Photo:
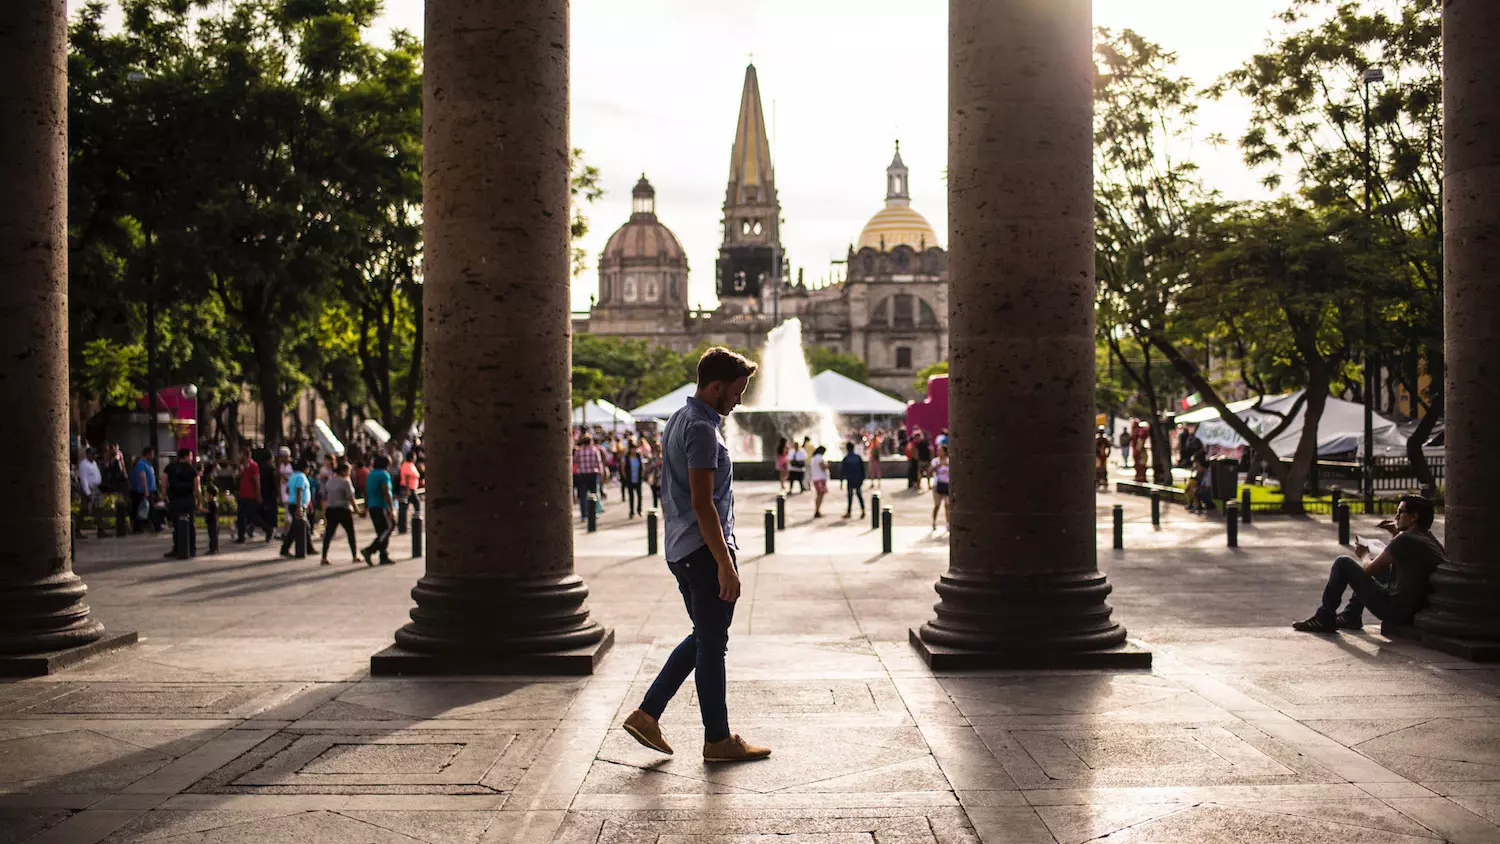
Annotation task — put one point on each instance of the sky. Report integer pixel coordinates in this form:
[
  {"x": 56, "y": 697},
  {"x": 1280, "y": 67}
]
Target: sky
[{"x": 656, "y": 87}]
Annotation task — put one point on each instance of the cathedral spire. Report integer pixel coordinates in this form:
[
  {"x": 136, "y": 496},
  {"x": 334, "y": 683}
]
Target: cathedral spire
[
  {"x": 897, "y": 185},
  {"x": 751, "y": 178}
]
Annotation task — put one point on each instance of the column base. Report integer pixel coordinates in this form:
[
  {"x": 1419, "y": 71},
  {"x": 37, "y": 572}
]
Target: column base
[
  {"x": 943, "y": 658},
  {"x": 396, "y": 661},
  {"x": 51, "y": 662}
]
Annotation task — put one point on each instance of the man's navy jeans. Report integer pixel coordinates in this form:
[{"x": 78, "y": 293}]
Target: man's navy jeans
[
  {"x": 1368, "y": 593},
  {"x": 702, "y": 652}
]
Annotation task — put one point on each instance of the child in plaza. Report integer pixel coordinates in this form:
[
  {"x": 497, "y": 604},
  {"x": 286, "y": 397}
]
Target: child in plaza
[{"x": 939, "y": 471}]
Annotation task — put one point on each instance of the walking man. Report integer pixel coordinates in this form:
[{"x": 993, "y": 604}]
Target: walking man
[
  {"x": 589, "y": 459},
  {"x": 852, "y": 470},
  {"x": 298, "y": 497},
  {"x": 378, "y": 502},
  {"x": 698, "y": 504},
  {"x": 91, "y": 498},
  {"x": 143, "y": 490},
  {"x": 248, "y": 496}
]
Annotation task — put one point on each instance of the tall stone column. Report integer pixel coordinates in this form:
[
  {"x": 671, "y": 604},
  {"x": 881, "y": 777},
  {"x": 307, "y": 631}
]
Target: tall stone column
[
  {"x": 1463, "y": 612},
  {"x": 44, "y": 623},
  {"x": 499, "y": 594},
  {"x": 1023, "y": 588}
]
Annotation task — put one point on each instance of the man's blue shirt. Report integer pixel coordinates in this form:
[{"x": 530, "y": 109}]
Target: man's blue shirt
[
  {"x": 692, "y": 441},
  {"x": 143, "y": 466},
  {"x": 298, "y": 490},
  {"x": 853, "y": 467},
  {"x": 375, "y": 486}
]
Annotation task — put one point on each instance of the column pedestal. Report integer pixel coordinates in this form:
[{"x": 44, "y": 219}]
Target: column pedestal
[
  {"x": 44, "y": 623},
  {"x": 499, "y": 595},
  {"x": 1023, "y": 589},
  {"x": 1462, "y": 616}
]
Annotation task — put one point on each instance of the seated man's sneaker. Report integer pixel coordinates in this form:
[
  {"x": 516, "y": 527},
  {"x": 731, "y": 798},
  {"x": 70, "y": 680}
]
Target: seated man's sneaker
[
  {"x": 646, "y": 730},
  {"x": 733, "y": 749},
  {"x": 1348, "y": 621},
  {"x": 1315, "y": 625}
]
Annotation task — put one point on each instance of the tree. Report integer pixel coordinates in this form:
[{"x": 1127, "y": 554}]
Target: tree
[
  {"x": 920, "y": 382},
  {"x": 583, "y": 187},
  {"x": 822, "y": 359},
  {"x": 1306, "y": 92}
]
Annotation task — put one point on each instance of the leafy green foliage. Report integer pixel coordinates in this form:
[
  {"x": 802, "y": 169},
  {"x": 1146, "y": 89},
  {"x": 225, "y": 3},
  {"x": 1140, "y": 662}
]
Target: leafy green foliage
[{"x": 920, "y": 382}]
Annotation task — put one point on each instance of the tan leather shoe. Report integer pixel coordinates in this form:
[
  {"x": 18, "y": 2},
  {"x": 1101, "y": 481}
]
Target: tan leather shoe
[
  {"x": 645, "y": 729},
  {"x": 733, "y": 749}
]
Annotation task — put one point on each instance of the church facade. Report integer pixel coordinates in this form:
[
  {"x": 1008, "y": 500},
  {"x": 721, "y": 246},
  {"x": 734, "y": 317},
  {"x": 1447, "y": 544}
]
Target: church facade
[{"x": 890, "y": 309}]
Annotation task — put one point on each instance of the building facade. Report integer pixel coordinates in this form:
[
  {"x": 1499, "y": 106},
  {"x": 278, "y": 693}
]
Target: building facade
[{"x": 890, "y": 309}]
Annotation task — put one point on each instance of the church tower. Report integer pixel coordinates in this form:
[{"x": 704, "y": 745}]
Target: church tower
[{"x": 752, "y": 213}]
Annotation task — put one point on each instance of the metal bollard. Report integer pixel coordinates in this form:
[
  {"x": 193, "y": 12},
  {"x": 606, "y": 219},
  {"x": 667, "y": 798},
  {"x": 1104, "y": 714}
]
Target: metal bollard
[
  {"x": 1232, "y": 522},
  {"x": 299, "y": 531},
  {"x": 416, "y": 534},
  {"x": 1245, "y": 505},
  {"x": 180, "y": 539},
  {"x": 781, "y": 512},
  {"x": 593, "y": 512},
  {"x": 122, "y": 519},
  {"x": 1333, "y": 512},
  {"x": 1156, "y": 509},
  {"x": 1342, "y": 514},
  {"x": 651, "y": 532},
  {"x": 1119, "y": 527},
  {"x": 874, "y": 510},
  {"x": 770, "y": 531},
  {"x": 885, "y": 531}
]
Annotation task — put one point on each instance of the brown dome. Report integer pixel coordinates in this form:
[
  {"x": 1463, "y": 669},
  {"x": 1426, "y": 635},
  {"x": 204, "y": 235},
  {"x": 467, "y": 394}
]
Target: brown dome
[{"x": 644, "y": 239}]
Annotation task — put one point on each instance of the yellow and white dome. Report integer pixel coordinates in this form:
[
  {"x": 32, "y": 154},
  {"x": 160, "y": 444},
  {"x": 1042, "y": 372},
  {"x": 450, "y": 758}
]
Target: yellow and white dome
[{"x": 897, "y": 223}]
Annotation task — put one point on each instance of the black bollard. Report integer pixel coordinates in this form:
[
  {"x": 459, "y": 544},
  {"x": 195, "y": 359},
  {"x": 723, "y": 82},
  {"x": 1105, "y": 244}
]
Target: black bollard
[
  {"x": 1333, "y": 511},
  {"x": 885, "y": 531},
  {"x": 1232, "y": 522},
  {"x": 781, "y": 512},
  {"x": 770, "y": 531},
  {"x": 651, "y": 533},
  {"x": 1119, "y": 526},
  {"x": 593, "y": 512},
  {"x": 182, "y": 526},
  {"x": 299, "y": 530},
  {"x": 874, "y": 510},
  {"x": 1245, "y": 505},
  {"x": 1342, "y": 514},
  {"x": 1155, "y": 509},
  {"x": 122, "y": 518},
  {"x": 416, "y": 533}
]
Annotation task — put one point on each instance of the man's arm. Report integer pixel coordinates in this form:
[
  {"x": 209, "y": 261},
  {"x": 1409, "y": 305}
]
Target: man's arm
[{"x": 701, "y": 486}]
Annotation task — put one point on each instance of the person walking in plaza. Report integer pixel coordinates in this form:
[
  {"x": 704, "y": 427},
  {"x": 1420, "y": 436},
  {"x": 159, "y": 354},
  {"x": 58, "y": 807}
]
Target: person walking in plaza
[
  {"x": 1102, "y": 448},
  {"x": 632, "y": 471},
  {"x": 248, "y": 498},
  {"x": 783, "y": 463},
  {"x": 796, "y": 469},
  {"x": 208, "y": 487},
  {"x": 379, "y": 503},
  {"x": 338, "y": 511},
  {"x": 298, "y": 497},
  {"x": 877, "y": 442},
  {"x": 1394, "y": 585},
  {"x": 183, "y": 502},
  {"x": 817, "y": 472},
  {"x": 852, "y": 470},
  {"x": 940, "y": 490},
  {"x": 410, "y": 481},
  {"x": 91, "y": 498},
  {"x": 143, "y": 491},
  {"x": 588, "y": 460},
  {"x": 698, "y": 495}
]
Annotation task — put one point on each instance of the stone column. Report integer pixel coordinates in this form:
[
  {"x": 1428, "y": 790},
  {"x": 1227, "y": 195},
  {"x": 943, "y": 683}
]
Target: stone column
[
  {"x": 1023, "y": 588},
  {"x": 44, "y": 623},
  {"x": 499, "y": 595},
  {"x": 1463, "y": 612}
]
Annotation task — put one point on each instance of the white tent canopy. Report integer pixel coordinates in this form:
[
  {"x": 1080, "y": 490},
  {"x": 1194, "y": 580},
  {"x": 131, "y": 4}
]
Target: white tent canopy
[
  {"x": 1340, "y": 430},
  {"x": 843, "y": 394},
  {"x": 667, "y": 404},
  {"x": 602, "y": 413}
]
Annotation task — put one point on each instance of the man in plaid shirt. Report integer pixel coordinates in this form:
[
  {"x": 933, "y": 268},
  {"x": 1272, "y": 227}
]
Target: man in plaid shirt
[{"x": 588, "y": 466}]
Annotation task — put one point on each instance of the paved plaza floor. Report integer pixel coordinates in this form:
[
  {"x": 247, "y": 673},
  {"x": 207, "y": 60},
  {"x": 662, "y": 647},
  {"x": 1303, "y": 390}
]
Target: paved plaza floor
[{"x": 247, "y": 713}]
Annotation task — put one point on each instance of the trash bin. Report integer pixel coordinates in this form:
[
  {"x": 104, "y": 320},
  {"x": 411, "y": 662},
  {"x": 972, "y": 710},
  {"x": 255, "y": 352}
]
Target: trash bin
[{"x": 1224, "y": 478}]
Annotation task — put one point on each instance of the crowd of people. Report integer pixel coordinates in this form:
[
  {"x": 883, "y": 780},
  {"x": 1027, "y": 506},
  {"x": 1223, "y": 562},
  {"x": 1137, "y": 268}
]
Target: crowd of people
[{"x": 287, "y": 494}]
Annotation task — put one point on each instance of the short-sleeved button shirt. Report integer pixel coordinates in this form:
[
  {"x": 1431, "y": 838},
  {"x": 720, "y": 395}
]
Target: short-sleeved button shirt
[{"x": 692, "y": 441}]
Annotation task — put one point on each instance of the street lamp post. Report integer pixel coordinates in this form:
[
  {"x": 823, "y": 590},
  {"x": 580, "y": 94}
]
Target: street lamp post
[{"x": 1370, "y": 77}]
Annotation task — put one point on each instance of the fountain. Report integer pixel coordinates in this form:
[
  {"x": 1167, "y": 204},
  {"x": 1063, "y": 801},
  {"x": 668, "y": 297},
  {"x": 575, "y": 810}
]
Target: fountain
[{"x": 782, "y": 402}]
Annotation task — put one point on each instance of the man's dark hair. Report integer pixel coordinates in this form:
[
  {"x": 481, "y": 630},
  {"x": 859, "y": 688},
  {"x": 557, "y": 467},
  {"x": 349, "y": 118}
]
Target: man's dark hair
[
  {"x": 381, "y": 461},
  {"x": 1422, "y": 507},
  {"x": 720, "y": 364},
  {"x": 849, "y": 447},
  {"x": 147, "y": 451}
]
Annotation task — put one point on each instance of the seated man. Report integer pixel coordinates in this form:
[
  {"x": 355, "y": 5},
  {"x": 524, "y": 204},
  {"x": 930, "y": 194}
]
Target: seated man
[{"x": 1406, "y": 564}]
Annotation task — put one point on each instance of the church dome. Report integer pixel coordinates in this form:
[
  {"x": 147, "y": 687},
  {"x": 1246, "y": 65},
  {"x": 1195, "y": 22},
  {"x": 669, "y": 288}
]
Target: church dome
[
  {"x": 643, "y": 239},
  {"x": 897, "y": 223}
]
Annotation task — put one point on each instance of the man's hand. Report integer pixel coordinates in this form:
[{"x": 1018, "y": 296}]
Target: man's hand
[
  {"x": 729, "y": 583},
  {"x": 1360, "y": 549},
  {"x": 1389, "y": 526}
]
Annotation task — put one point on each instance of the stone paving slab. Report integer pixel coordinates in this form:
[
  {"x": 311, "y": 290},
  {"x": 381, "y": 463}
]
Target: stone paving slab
[{"x": 247, "y": 713}]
